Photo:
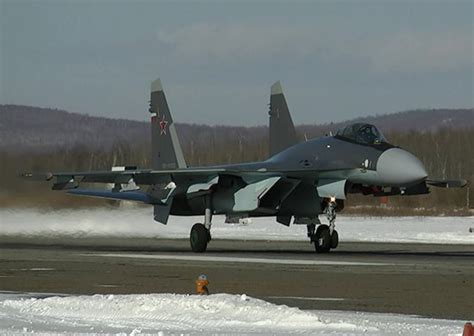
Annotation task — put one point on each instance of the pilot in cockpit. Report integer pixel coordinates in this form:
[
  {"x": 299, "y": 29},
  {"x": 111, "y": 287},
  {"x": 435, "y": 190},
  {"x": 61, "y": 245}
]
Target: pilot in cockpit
[{"x": 366, "y": 134}]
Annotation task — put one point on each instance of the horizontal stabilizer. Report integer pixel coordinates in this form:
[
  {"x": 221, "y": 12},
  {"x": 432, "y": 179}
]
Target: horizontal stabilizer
[
  {"x": 447, "y": 183},
  {"x": 161, "y": 212},
  {"x": 285, "y": 220},
  {"x": 138, "y": 196}
]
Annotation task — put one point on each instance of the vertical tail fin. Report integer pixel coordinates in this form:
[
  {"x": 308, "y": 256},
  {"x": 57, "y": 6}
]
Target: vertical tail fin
[
  {"x": 282, "y": 130},
  {"x": 165, "y": 148}
]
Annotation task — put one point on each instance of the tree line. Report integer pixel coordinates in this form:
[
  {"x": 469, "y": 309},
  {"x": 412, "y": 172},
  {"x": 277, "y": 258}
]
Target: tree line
[{"x": 446, "y": 153}]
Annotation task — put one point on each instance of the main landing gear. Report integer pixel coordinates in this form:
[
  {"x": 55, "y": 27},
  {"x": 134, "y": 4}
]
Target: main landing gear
[
  {"x": 326, "y": 237},
  {"x": 199, "y": 237},
  {"x": 201, "y": 233}
]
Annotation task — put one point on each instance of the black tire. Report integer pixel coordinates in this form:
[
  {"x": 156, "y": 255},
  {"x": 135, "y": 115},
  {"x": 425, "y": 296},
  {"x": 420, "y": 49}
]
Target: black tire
[
  {"x": 199, "y": 237},
  {"x": 322, "y": 241},
  {"x": 334, "y": 239}
]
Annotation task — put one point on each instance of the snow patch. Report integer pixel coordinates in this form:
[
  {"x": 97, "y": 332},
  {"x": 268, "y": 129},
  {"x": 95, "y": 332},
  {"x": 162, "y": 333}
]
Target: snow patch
[
  {"x": 138, "y": 222},
  {"x": 219, "y": 313},
  {"x": 165, "y": 314}
]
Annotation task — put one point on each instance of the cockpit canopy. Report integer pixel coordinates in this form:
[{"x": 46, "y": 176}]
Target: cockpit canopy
[{"x": 365, "y": 134}]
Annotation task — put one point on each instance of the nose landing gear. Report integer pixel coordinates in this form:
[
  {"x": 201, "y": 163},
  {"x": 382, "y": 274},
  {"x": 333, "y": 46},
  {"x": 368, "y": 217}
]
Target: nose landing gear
[{"x": 326, "y": 237}]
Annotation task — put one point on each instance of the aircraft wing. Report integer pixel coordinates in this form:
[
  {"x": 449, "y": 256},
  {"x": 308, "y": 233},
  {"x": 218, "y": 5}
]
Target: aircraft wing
[
  {"x": 125, "y": 179},
  {"x": 70, "y": 180},
  {"x": 263, "y": 190}
]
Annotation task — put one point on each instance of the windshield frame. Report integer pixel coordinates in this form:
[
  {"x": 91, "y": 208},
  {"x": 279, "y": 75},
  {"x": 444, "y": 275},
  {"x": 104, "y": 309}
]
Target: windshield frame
[{"x": 363, "y": 134}]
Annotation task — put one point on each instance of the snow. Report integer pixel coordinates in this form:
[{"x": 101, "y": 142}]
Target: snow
[
  {"x": 138, "y": 222},
  {"x": 165, "y": 314}
]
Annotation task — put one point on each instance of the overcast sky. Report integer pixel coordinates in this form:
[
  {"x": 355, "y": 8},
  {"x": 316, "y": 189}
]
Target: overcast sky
[{"x": 336, "y": 59}]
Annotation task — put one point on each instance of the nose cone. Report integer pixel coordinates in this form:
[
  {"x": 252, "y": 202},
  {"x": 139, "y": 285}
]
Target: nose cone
[{"x": 397, "y": 167}]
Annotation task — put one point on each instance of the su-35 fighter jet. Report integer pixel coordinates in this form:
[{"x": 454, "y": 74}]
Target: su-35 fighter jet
[{"x": 298, "y": 182}]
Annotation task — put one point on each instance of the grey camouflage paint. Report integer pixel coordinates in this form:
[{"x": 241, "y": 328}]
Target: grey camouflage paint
[{"x": 295, "y": 181}]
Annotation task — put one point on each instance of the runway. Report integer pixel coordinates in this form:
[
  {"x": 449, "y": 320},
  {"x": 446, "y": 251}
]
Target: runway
[{"x": 422, "y": 279}]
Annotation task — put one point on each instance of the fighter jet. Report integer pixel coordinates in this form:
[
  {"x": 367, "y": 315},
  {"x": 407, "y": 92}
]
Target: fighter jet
[{"x": 298, "y": 182}]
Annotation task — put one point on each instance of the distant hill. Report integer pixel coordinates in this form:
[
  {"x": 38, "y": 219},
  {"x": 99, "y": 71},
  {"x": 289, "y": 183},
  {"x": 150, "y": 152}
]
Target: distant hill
[
  {"x": 34, "y": 127},
  {"x": 414, "y": 120},
  {"x": 27, "y": 127}
]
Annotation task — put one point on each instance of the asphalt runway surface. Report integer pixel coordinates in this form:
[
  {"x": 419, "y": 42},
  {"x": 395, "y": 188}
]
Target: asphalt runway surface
[{"x": 421, "y": 279}]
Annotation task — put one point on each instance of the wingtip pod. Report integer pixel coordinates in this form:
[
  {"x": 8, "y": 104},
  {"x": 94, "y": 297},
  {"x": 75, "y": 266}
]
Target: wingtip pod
[
  {"x": 276, "y": 88},
  {"x": 447, "y": 183},
  {"x": 37, "y": 176},
  {"x": 156, "y": 85}
]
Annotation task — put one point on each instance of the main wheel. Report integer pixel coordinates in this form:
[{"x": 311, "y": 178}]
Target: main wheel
[
  {"x": 199, "y": 237},
  {"x": 322, "y": 241},
  {"x": 334, "y": 239}
]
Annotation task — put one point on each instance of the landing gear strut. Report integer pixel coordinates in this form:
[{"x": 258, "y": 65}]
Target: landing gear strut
[
  {"x": 326, "y": 237},
  {"x": 201, "y": 233},
  {"x": 331, "y": 215}
]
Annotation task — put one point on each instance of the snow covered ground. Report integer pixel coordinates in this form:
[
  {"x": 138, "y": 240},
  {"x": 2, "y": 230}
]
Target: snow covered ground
[
  {"x": 165, "y": 314},
  {"x": 138, "y": 222}
]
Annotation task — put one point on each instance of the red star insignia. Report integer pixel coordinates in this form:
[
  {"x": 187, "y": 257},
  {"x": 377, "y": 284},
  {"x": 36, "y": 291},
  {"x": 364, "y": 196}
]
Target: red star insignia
[{"x": 163, "y": 124}]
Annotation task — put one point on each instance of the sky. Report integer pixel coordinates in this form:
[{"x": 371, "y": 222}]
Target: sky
[{"x": 336, "y": 60}]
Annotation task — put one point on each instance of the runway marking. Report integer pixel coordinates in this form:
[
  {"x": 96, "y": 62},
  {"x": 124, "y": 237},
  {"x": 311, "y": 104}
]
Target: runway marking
[
  {"x": 107, "y": 286},
  {"x": 35, "y": 269},
  {"x": 239, "y": 260},
  {"x": 305, "y": 298}
]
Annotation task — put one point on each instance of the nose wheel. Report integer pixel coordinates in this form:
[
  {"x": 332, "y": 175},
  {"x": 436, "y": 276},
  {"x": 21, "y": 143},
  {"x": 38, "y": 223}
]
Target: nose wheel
[
  {"x": 323, "y": 240},
  {"x": 326, "y": 237}
]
